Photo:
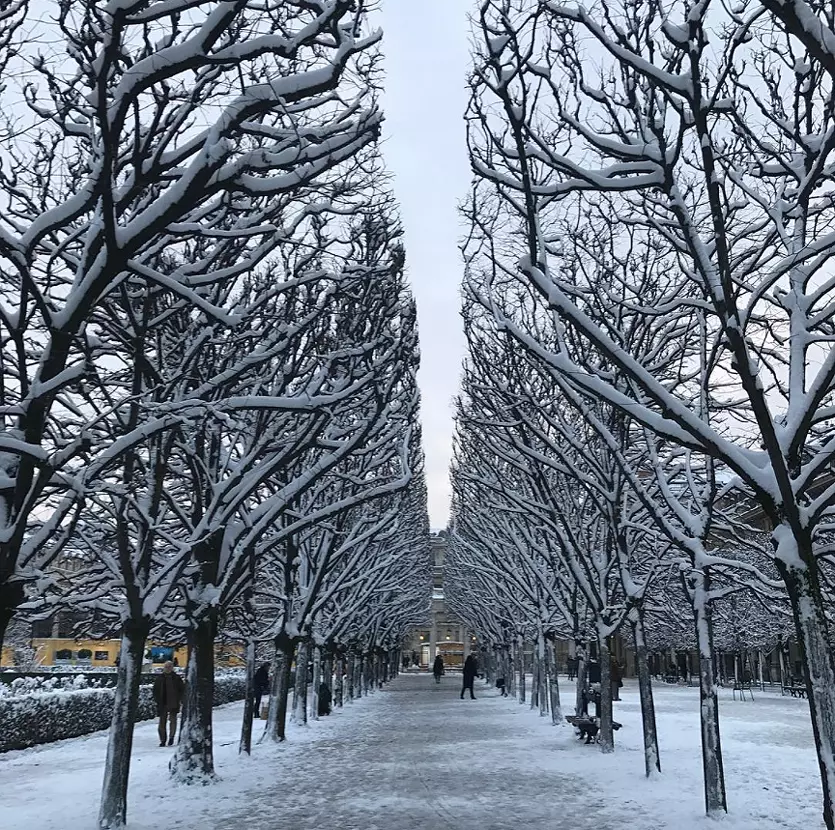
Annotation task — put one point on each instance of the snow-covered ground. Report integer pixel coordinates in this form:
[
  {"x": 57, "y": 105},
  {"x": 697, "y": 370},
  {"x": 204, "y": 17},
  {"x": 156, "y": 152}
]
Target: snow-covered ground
[{"x": 415, "y": 757}]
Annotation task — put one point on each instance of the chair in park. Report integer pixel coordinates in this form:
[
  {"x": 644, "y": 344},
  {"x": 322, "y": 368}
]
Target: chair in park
[{"x": 743, "y": 685}]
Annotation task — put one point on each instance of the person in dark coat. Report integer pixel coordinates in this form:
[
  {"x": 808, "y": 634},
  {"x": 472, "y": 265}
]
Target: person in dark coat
[
  {"x": 260, "y": 687},
  {"x": 438, "y": 668},
  {"x": 168, "y": 695},
  {"x": 616, "y": 676},
  {"x": 324, "y": 706},
  {"x": 470, "y": 671}
]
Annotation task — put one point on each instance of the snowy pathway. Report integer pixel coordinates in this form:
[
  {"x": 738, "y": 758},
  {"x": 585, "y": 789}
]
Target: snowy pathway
[{"x": 415, "y": 757}]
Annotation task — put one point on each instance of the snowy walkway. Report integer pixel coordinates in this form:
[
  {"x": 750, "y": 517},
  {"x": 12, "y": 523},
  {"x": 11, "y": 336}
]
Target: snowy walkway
[{"x": 415, "y": 757}]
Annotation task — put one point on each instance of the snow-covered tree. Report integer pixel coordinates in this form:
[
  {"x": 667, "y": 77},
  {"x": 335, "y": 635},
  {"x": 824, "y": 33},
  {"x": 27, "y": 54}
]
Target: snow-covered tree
[
  {"x": 158, "y": 128},
  {"x": 708, "y": 130}
]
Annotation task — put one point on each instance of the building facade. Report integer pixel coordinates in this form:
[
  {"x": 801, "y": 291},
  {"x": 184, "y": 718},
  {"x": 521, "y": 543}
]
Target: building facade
[{"x": 445, "y": 634}]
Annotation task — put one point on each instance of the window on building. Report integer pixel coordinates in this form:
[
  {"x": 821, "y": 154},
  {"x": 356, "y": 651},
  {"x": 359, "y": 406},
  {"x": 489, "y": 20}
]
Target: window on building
[
  {"x": 101, "y": 655},
  {"x": 63, "y": 654}
]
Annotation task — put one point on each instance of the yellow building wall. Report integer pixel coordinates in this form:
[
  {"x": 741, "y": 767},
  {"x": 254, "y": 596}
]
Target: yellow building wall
[{"x": 226, "y": 655}]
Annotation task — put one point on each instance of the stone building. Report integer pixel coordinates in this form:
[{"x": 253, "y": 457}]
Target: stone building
[{"x": 445, "y": 635}]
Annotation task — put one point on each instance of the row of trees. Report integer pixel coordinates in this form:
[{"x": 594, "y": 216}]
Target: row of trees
[
  {"x": 649, "y": 307},
  {"x": 208, "y": 411}
]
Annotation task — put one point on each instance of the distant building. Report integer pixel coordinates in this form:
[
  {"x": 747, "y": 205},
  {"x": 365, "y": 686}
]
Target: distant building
[{"x": 445, "y": 635}]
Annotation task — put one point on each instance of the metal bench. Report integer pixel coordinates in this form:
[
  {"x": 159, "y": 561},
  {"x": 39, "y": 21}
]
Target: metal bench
[
  {"x": 587, "y": 727},
  {"x": 795, "y": 690}
]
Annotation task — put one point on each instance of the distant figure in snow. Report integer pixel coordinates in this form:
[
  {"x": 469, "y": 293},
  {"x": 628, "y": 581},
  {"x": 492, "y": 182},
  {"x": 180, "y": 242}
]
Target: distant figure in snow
[
  {"x": 438, "y": 668},
  {"x": 616, "y": 677},
  {"x": 260, "y": 687},
  {"x": 501, "y": 686},
  {"x": 168, "y": 695},
  {"x": 470, "y": 671},
  {"x": 573, "y": 665},
  {"x": 324, "y": 707}
]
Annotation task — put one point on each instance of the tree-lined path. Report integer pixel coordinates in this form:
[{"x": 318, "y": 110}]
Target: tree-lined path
[{"x": 414, "y": 757}]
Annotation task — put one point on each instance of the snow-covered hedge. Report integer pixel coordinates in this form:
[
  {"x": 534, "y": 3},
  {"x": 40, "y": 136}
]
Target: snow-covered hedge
[
  {"x": 39, "y": 685},
  {"x": 37, "y": 717}
]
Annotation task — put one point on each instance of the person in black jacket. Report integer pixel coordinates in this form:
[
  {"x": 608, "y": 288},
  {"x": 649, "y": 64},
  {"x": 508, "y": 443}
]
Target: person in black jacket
[
  {"x": 168, "y": 695},
  {"x": 324, "y": 706},
  {"x": 260, "y": 687},
  {"x": 470, "y": 671},
  {"x": 438, "y": 668}
]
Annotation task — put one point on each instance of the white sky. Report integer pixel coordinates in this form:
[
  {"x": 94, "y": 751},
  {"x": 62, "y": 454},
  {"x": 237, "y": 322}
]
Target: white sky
[{"x": 426, "y": 47}]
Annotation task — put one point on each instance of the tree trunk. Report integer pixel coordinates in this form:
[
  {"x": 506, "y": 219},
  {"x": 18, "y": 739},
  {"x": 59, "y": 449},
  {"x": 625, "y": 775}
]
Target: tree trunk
[
  {"x": 359, "y": 675},
  {"x": 12, "y": 596},
  {"x": 652, "y": 757},
  {"x": 554, "y": 685},
  {"x": 193, "y": 761},
  {"x": 536, "y": 673},
  {"x": 782, "y": 661},
  {"x": 606, "y": 735},
  {"x": 249, "y": 701},
  {"x": 317, "y": 679},
  {"x": 280, "y": 690},
  {"x": 520, "y": 650},
  {"x": 582, "y": 674},
  {"x": 510, "y": 670},
  {"x": 349, "y": 673},
  {"x": 327, "y": 671},
  {"x": 367, "y": 674},
  {"x": 114, "y": 793},
  {"x": 339, "y": 679},
  {"x": 542, "y": 682},
  {"x": 299, "y": 712},
  {"x": 808, "y": 609},
  {"x": 713, "y": 768}
]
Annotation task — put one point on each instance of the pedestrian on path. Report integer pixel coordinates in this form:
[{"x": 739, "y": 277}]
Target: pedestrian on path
[
  {"x": 616, "y": 676},
  {"x": 470, "y": 671},
  {"x": 260, "y": 687},
  {"x": 168, "y": 695},
  {"x": 324, "y": 704},
  {"x": 438, "y": 668}
]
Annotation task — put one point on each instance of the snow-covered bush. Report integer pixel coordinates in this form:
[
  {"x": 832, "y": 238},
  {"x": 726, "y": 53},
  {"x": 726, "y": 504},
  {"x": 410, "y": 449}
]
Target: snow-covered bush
[
  {"x": 38, "y": 685},
  {"x": 37, "y": 711}
]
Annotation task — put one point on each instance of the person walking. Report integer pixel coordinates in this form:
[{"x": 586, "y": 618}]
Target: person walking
[
  {"x": 470, "y": 671},
  {"x": 438, "y": 668},
  {"x": 168, "y": 695},
  {"x": 260, "y": 687},
  {"x": 324, "y": 705},
  {"x": 616, "y": 676}
]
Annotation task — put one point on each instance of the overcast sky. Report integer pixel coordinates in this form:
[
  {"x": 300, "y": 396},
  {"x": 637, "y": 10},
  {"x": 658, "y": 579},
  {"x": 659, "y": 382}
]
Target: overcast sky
[{"x": 426, "y": 47}]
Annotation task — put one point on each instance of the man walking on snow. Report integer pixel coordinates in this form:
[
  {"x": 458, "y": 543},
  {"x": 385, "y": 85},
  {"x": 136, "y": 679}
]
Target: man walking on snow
[
  {"x": 470, "y": 671},
  {"x": 168, "y": 694}
]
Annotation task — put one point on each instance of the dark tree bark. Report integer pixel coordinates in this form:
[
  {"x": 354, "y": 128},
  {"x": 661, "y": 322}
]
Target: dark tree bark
[
  {"x": 114, "y": 795},
  {"x": 652, "y": 756},
  {"x": 193, "y": 761},
  {"x": 249, "y": 704}
]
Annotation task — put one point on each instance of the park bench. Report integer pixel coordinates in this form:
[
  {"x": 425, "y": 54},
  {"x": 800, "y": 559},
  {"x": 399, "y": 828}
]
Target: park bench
[
  {"x": 795, "y": 688},
  {"x": 588, "y": 727}
]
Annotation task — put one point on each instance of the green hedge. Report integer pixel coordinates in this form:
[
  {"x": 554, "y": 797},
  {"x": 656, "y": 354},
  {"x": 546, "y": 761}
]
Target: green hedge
[{"x": 42, "y": 718}]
